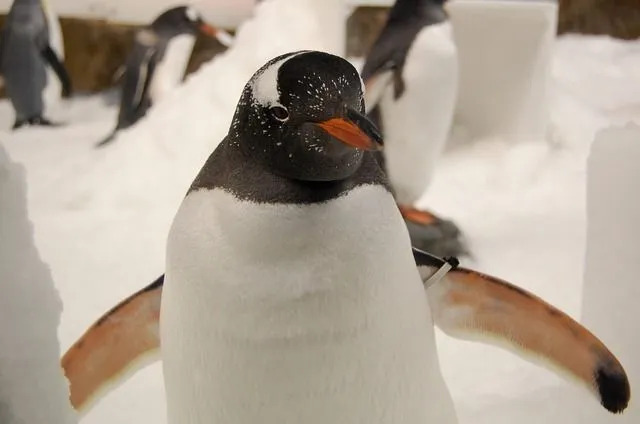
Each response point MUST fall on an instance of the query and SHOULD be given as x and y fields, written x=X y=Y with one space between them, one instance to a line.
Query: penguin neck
x=229 y=169
x=417 y=9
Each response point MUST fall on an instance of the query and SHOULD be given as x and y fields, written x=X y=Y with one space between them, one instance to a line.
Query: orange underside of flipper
x=111 y=346
x=471 y=305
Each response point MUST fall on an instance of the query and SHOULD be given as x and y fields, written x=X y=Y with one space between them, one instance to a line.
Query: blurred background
x=98 y=35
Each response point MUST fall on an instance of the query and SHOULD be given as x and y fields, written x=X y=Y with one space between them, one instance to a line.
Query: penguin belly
x=25 y=75
x=417 y=124
x=171 y=68
x=279 y=314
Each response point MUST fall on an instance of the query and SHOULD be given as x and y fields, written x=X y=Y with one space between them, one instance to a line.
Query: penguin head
x=301 y=116
x=181 y=20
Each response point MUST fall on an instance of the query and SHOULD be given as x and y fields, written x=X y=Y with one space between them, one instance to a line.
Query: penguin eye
x=280 y=113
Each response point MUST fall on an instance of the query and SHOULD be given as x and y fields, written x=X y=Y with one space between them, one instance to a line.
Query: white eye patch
x=192 y=14
x=265 y=85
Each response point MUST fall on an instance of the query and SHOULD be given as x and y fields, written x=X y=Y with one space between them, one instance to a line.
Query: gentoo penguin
x=158 y=61
x=292 y=293
x=25 y=52
x=411 y=77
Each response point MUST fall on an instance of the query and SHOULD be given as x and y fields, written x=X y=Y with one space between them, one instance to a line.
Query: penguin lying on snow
x=411 y=75
x=158 y=61
x=292 y=293
x=25 y=52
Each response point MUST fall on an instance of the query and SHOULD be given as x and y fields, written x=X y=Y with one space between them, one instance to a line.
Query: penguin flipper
x=375 y=87
x=473 y=306
x=117 y=345
x=58 y=67
x=134 y=100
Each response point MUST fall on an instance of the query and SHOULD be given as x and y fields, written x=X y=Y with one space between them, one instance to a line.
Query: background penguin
x=158 y=61
x=292 y=294
x=25 y=51
x=411 y=77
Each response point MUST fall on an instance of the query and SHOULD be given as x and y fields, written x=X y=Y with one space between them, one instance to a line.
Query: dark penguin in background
x=25 y=52
x=411 y=86
x=291 y=292
x=158 y=61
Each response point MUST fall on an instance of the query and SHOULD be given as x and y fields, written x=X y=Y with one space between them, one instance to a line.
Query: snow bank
x=32 y=387
x=611 y=289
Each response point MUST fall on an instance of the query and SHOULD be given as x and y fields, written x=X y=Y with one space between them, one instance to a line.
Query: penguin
x=25 y=53
x=411 y=75
x=158 y=61
x=291 y=292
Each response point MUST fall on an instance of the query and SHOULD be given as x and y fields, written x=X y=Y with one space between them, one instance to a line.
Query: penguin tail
x=108 y=139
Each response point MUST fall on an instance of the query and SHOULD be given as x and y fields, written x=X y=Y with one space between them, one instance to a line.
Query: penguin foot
x=42 y=121
x=438 y=236
x=19 y=124
x=35 y=121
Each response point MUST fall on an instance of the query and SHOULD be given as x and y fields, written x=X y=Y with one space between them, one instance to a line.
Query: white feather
x=417 y=124
x=297 y=314
x=170 y=70
x=265 y=84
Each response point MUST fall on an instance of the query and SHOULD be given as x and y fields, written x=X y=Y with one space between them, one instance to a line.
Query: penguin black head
x=301 y=116
x=181 y=20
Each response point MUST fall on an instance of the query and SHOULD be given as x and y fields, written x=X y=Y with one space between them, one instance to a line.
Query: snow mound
x=32 y=387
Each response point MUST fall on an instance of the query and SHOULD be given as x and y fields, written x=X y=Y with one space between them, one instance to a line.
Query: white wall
x=225 y=13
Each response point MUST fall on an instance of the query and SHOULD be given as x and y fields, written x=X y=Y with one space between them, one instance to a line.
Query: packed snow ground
x=101 y=217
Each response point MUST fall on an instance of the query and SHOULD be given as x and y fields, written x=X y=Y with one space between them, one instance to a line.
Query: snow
x=101 y=217
x=30 y=309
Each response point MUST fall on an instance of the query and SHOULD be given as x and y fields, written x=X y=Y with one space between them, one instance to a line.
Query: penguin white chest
x=417 y=124
x=170 y=69
x=308 y=314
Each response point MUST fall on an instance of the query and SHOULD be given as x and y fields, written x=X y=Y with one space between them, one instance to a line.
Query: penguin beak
x=355 y=130
x=222 y=36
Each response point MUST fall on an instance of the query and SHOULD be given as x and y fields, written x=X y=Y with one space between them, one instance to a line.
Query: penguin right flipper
x=118 y=344
x=473 y=306
x=58 y=67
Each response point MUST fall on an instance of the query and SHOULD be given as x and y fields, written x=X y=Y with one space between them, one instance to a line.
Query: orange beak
x=222 y=36
x=208 y=30
x=356 y=131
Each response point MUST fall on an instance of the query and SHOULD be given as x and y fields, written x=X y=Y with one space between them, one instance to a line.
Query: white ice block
x=611 y=293
x=504 y=49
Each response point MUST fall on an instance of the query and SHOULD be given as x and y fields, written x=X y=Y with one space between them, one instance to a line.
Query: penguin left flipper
x=120 y=343
x=136 y=83
x=470 y=305
x=58 y=67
